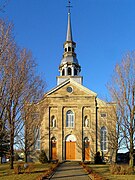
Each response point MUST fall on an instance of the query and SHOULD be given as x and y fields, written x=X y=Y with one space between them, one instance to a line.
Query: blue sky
x=104 y=31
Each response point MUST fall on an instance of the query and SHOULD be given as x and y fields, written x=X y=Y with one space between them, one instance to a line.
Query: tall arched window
x=63 y=72
x=69 y=48
x=69 y=119
x=103 y=139
x=75 y=72
x=69 y=71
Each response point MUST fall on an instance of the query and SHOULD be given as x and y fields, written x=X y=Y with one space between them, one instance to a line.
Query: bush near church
x=98 y=158
x=42 y=157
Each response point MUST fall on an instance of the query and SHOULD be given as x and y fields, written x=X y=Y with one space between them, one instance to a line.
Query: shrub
x=42 y=157
x=29 y=168
x=17 y=169
x=121 y=169
x=97 y=158
x=16 y=157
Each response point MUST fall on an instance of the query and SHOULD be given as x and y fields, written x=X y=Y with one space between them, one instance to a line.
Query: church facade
x=76 y=123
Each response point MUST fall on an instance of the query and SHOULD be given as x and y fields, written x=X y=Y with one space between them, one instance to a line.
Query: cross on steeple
x=69 y=6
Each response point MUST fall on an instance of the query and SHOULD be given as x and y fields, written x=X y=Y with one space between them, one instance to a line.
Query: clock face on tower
x=69 y=89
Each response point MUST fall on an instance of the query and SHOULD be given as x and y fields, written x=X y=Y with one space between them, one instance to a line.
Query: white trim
x=71 y=138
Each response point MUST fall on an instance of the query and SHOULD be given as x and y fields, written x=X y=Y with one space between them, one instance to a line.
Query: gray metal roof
x=69 y=29
x=69 y=59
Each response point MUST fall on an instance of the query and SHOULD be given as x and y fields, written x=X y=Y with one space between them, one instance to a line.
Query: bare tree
x=19 y=83
x=31 y=133
x=122 y=89
x=3 y=4
x=115 y=136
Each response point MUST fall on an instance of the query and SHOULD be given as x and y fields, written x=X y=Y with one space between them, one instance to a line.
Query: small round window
x=69 y=89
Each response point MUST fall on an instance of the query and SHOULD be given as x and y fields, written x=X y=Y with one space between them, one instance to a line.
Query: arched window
x=86 y=121
x=73 y=49
x=53 y=121
x=86 y=140
x=69 y=48
x=69 y=119
x=65 y=49
x=75 y=72
x=69 y=71
x=103 y=139
x=53 y=140
x=63 y=72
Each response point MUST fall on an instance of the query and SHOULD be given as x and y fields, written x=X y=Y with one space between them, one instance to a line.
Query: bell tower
x=69 y=67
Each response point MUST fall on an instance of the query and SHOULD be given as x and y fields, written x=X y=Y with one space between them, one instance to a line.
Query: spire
x=69 y=66
x=69 y=29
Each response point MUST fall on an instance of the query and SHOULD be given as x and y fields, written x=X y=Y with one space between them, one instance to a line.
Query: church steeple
x=69 y=67
x=69 y=29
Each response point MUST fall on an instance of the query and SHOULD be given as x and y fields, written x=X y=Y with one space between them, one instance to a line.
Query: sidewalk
x=70 y=170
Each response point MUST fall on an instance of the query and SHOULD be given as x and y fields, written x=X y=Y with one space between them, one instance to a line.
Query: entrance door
x=87 y=151
x=70 y=147
x=70 y=150
x=54 y=150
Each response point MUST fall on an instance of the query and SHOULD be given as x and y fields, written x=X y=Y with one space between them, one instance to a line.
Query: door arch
x=86 y=149
x=53 y=148
x=70 y=147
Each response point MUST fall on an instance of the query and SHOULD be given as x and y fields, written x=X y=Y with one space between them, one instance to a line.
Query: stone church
x=76 y=124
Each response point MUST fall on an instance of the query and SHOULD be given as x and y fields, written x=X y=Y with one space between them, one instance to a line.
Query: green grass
x=103 y=170
x=8 y=174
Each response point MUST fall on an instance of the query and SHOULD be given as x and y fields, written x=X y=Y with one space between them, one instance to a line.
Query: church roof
x=104 y=103
x=69 y=59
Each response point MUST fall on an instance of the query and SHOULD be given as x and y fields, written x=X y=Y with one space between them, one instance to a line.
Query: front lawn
x=103 y=171
x=37 y=170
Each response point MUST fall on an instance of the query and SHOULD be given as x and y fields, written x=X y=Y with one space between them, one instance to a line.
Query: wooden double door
x=70 y=150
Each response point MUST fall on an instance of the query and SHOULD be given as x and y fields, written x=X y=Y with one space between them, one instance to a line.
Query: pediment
x=70 y=88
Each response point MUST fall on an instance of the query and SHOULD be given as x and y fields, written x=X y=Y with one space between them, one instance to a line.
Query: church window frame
x=103 y=138
x=69 y=48
x=63 y=72
x=75 y=72
x=69 y=71
x=53 y=142
x=70 y=119
x=69 y=89
x=73 y=50
x=86 y=141
x=103 y=115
